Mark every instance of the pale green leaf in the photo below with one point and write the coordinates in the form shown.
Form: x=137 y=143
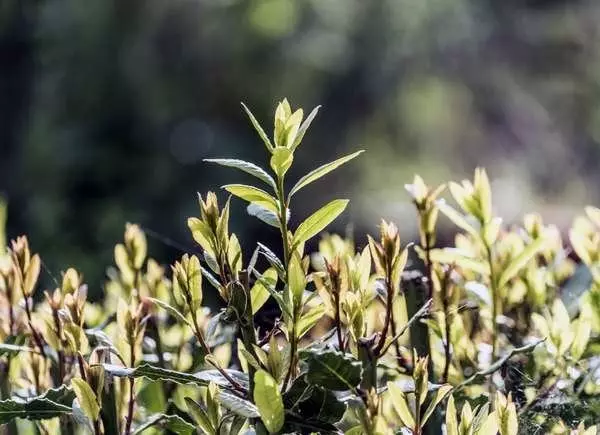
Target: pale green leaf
x=583 y=329
x=171 y=310
x=440 y=394
x=268 y=401
x=520 y=261
x=247 y=167
x=258 y=128
x=400 y=403
x=451 y=421
x=253 y=195
x=316 y=222
x=304 y=127
x=259 y=294
x=86 y=397
x=321 y=171
x=457 y=218
x=455 y=256
x=200 y=416
x=310 y=319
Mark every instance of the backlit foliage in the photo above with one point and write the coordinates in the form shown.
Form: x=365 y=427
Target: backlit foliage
x=497 y=333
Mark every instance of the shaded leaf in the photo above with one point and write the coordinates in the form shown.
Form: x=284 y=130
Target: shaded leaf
x=238 y=405
x=53 y=403
x=332 y=369
x=173 y=423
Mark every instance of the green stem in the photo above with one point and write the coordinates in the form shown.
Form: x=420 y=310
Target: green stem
x=494 y=291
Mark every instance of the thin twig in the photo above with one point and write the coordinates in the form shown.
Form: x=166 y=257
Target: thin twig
x=423 y=311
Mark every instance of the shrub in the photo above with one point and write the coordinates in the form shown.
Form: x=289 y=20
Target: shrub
x=496 y=333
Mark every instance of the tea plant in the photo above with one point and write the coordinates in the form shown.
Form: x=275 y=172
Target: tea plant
x=389 y=338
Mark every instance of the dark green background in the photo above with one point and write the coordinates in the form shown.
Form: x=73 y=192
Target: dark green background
x=108 y=106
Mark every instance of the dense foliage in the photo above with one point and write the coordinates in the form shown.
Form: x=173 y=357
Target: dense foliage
x=493 y=335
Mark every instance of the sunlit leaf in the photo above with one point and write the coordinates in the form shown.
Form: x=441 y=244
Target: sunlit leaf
x=520 y=261
x=247 y=167
x=321 y=171
x=258 y=128
x=268 y=401
x=86 y=397
x=319 y=220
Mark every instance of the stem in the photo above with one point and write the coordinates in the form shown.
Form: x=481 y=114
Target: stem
x=283 y=207
x=130 y=408
x=494 y=291
x=338 y=320
x=388 y=312
x=61 y=355
x=448 y=325
x=34 y=333
x=202 y=341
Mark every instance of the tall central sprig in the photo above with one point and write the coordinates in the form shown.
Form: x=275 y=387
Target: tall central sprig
x=273 y=208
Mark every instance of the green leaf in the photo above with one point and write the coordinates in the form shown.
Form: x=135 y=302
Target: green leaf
x=237 y=405
x=310 y=319
x=258 y=129
x=37 y=408
x=172 y=423
x=281 y=161
x=267 y=216
x=269 y=401
x=321 y=171
x=457 y=218
x=202 y=378
x=296 y=279
x=253 y=195
x=399 y=401
x=455 y=256
x=520 y=261
x=259 y=294
x=171 y=310
x=86 y=397
x=302 y=130
x=247 y=167
x=319 y=220
x=583 y=329
x=332 y=369
x=451 y=421
x=200 y=416
x=439 y=396
x=272 y=259
x=13 y=345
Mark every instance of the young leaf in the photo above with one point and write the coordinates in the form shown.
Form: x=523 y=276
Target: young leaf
x=253 y=195
x=269 y=401
x=87 y=398
x=518 y=263
x=583 y=329
x=400 y=404
x=259 y=294
x=302 y=130
x=247 y=167
x=332 y=370
x=458 y=219
x=455 y=256
x=321 y=171
x=296 y=279
x=171 y=310
x=310 y=319
x=281 y=161
x=439 y=396
x=258 y=128
x=451 y=422
x=319 y=220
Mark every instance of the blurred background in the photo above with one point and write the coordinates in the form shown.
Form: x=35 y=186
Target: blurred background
x=107 y=108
